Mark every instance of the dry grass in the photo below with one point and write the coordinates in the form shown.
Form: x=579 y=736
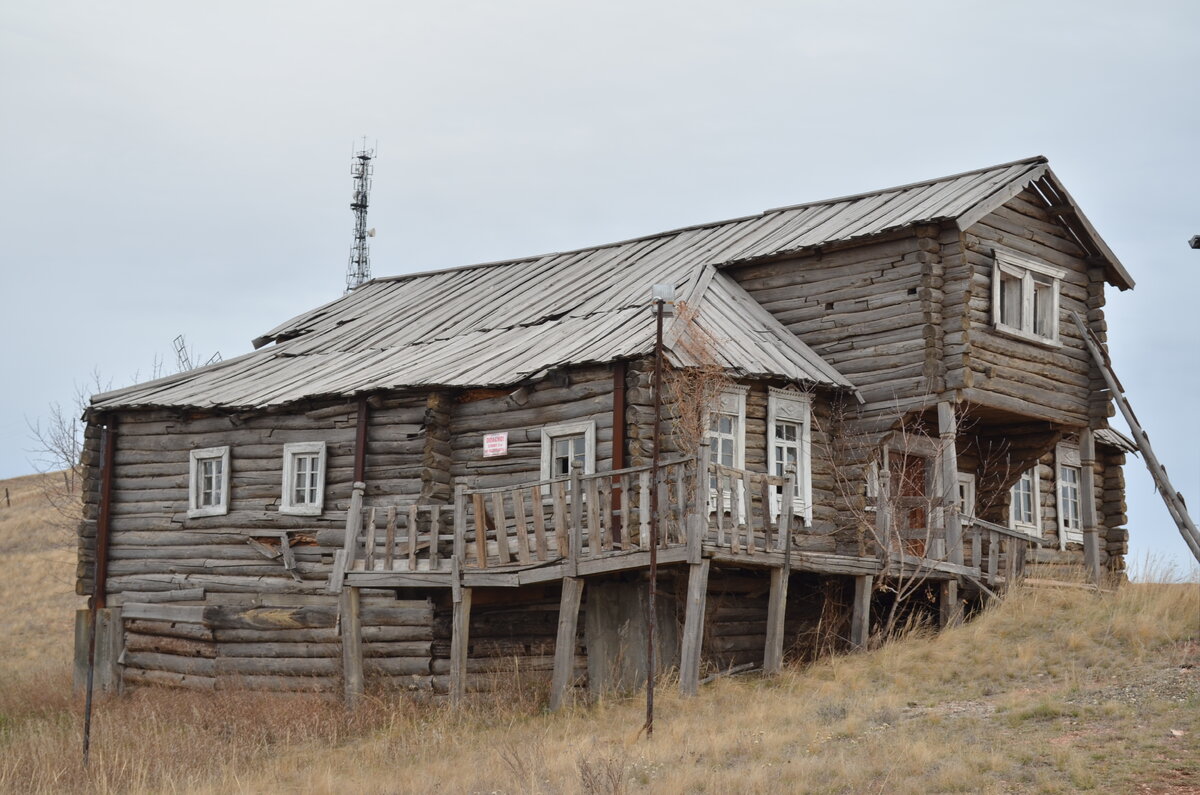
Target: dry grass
x=1052 y=691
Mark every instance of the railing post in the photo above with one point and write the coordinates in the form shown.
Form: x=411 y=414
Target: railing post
x=460 y=523
x=786 y=508
x=576 y=530
x=1087 y=504
x=697 y=523
x=343 y=560
x=952 y=522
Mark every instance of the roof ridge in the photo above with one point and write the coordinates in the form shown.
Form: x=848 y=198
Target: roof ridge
x=708 y=225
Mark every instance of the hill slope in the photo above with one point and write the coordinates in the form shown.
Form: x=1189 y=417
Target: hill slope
x=1050 y=691
x=37 y=587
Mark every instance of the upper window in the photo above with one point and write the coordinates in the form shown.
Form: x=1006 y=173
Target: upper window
x=1070 y=478
x=789 y=443
x=966 y=494
x=208 y=482
x=1024 y=508
x=1025 y=297
x=303 y=478
x=568 y=444
x=727 y=437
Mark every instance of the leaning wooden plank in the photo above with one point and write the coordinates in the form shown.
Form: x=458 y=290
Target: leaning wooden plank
x=539 y=524
x=595 y=534
x=776 y=607
x=369 y=541
x=693 y=628
x=501 y=527
x=559 y=491
x=564 y=645
x=435 y=528
x=518 y=498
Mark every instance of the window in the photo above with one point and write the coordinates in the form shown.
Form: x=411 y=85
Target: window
x=564 y=445
x=966 y=494
x=208 y=482
x=303 y=478
x=789 y=441
x=1070 y=477
x=1024 y=505
x=727 y=438
x=1025 y=298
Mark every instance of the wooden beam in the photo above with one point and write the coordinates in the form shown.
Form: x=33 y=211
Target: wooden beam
x=459 y=640
x=948 y=431
x=949 y=614
x=564 y=644
x=776 y=608
x=693 y=629
x=352 y=653
x=1087 y=505
x=360 y=441
x=860 y=620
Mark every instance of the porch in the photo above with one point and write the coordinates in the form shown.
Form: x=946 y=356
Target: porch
x=566 y=530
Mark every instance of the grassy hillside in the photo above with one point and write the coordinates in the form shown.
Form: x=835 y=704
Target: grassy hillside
x=1051 y=691
x=37 y=587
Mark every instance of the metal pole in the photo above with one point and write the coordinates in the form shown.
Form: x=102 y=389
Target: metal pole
x=654 y=519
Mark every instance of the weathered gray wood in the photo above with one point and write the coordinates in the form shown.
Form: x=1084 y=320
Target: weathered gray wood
x=776 y=608
x=501 y=527
x=559 y=492
x=644 y=510
x=539 y=524
x=594 y=531
x=626 y=514
x=564 y=645
x=435 y=529
x=389 y=540
x=576 y=526
x=949 y=609
x=352 y=653
x=518 y=498
x=412 y=537
x=693 y=628
x=186 y=614
x=860 y=621
x=480 y=531
x=369 y=541
x=1087 y=505
x=459 y=640
x=948 y=431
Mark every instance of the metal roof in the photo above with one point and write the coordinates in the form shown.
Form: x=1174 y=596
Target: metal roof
x=1114 y=438
x=501 y=323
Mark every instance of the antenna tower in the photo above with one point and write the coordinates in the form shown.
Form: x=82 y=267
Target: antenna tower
x=361 y=168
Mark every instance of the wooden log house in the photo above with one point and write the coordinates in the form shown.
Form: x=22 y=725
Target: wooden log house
x=442 y=481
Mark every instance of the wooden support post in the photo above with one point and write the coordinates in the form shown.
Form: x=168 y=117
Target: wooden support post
x=693 y=629
x=949 y=614
x=575 y=531
x=1087 y=504
x=459 y=640
x=352 y=652
x=948 y=431
x=776 y=608
x=564 y=644
x=697 y=522
x=860 y=621
x=110 y=641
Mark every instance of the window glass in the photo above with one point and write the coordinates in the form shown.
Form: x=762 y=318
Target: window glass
x=567 y=451
x=1022 y=499
x=1068 y=501
x=211 y=477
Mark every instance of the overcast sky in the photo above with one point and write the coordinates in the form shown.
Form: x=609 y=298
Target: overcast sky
x=174 y=168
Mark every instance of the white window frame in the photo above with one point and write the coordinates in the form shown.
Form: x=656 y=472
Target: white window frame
x=195 y=459
x=290 y=453
x=966 y=494
x=1034 y=527
x=552 y=432
x=1066 y=456
x=1024 y=269
x=790 y=405
x=731 y=401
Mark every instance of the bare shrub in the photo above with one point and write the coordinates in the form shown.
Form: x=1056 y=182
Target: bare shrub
x=691 y=390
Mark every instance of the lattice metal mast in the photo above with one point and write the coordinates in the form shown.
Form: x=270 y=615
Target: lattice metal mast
x=361 y=168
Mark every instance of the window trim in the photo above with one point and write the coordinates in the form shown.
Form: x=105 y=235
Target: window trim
x=195 y=510
x=732 y=401
x=1034 y=527
x=791 y=405
x=290 y=451
x=967 y=479
x=1023 y=268
x=552 y=432
x=1067 y=455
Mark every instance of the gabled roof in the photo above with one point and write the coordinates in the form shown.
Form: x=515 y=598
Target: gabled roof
x=501 y=323
x=488 y=327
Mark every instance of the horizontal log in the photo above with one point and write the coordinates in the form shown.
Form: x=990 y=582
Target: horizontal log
x=153 y=661
x=135 y=676
x=169 y=645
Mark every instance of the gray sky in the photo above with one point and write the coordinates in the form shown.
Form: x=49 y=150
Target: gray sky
x=174 y=169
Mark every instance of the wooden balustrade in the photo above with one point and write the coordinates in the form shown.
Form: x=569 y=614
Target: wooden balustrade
x=398 y=538
x=575 y=517
x=745 y=516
